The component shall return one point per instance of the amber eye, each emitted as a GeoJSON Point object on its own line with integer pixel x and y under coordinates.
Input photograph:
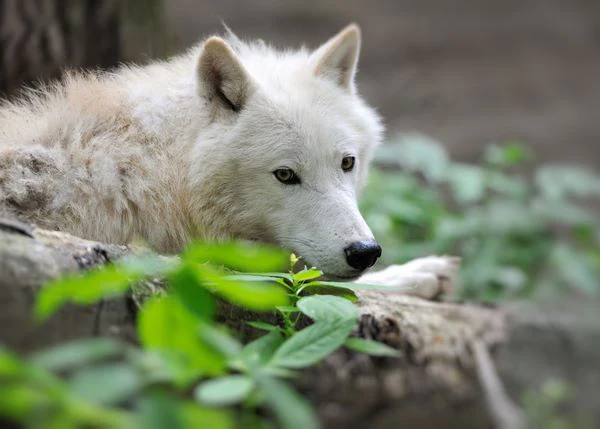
{"type": "Point", "coordinates": [286, 176]}
{"type": "Point", "coordinates": [347, 163]}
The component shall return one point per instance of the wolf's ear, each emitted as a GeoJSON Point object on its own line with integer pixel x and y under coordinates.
{"type": "Point", "coordinates": [222, 77]}
{"type": "Point", "coordinates": [337, 58]}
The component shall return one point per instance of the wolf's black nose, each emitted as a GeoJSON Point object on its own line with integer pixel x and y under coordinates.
{"type": "Point", "coordinates": [362, 254]}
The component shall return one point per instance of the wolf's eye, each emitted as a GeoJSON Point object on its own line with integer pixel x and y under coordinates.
{"type": "Point", "coordinates": [347, 163]}
{"type": "Point", "coordinates": [286, 176]}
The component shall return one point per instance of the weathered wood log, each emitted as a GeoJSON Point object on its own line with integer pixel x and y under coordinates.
{"type": "Point", "coordinates": [26, 263]}
{"type": "Point", "coordinates": [443, 380]}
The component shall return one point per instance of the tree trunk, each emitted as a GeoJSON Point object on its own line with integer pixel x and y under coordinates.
{"type": "Point", "coordinates": [39, 38]}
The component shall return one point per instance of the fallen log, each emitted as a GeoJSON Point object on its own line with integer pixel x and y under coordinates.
{"type": "Point", "coordinates": [446, 377]}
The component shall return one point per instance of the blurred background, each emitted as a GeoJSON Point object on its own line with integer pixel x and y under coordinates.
{"type": "Point", "coordinates": [467, 72]}
{"type": "Point", "coordinates": [492, 109]}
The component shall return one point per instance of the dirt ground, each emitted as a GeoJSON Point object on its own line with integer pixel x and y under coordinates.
{"type": "Point", "coordinates": [468, 72]}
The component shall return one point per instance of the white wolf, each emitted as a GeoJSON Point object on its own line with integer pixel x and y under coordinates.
{"type": "Point", "coordinates": [229, 140]}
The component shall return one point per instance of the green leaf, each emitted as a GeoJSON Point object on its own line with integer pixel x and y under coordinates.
{"type": "Point", "coordinates": [467, 182]}
{"type": "Point", "coordinates": [165, 366]}
{"type": "Point", "coordinates": [562, 213]}
{"type": "Point", "coordinates": [251, 295]}
{"type": "Point", "coordinates": [508, 185]}
{"type": "Point", "coordinates": [108, 384]}
{"type": "Point", "coordinates": [166, 324]}
{"type": "Point", "coordinates": [21, 402]}
{"type": "Point", "coordinates": [276, 371]}
{"type": "Point", "coordinates": [261, 350]}
{"type": "Point", "coordinates": [220, 340]}
{"type": "Point", "coordinates": [13, 368]}
{"type": "Point", "coordinates": [76, 353]}
{"type": "Point", "coordinates": [308, 274]}
{"type": "Point", "coordinates": [159, 411]}
{"type": "Point", "coordinates": [315, 288]}
{"type": "Point", "coordinates": [252, 278]}
{"type": "Point", "coordinates": [287, 309]}
{"type": "Point", "coordinates": [512, 279]}
{"type": "Point", "coordinates": [81, 414]}
{"type": "Point", "coordinates": [10, 365]}
{"type": "Point", "coordinates": [575, 269]}
{"type": "Point", "coordinates": [258, 277]}
{"type": "Point", "coordinates": [193, 295]}
{"type": "Point", "coordinates": [313, 343]}
{"type": "Point", "coordinates": [416, 153]}
{"type": "Point", "coordinates": [560, 181]}
{"type": "Point", "coordinates": [148, 265]}
{"type": "Point", "coordinates": [224, 391]}
{"type": "Point", "coordinates": [263, 326]}
{"type": "Point", "coordinates": [95, 285]}
{"type": "Point", "coordinates": [405, 209]}
{"type": "Point", "coordinates": [341, 289]}
{"type": "Point", "coordinates": [507, 155]}
{"type": "Point", "coordinates": [326, 308]}
{"type": "Point", "coordinates": [290, 408]}
{"type": "Point", "coordinates": [242, 256]}
{"type": "Point", "coordinates": [194, 417]}
{"type": "Point", "coordinates": [371, 347]}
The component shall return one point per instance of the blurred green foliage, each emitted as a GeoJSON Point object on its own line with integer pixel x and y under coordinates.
{"type": "Point", "coordinates": [517, 233]}
{"type": "Point", "coordinates": [189, 372]}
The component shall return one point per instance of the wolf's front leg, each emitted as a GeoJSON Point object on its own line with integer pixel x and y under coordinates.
{"type": "Point", "coordinates": [426, 277]}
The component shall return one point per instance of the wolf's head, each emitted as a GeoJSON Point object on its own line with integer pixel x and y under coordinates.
{"type": "Point", "coordinates": [291, 144]}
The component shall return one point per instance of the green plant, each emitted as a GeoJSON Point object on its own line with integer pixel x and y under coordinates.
{"type": "Point", "coordinates": [189, 372]}
{"type": "Point", "coordinates": [516, 234]}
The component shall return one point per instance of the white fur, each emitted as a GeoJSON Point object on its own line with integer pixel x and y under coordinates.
{"type": "Point", "coordinates": [186, 149]}
{"type": "Point", "coordinates": [428, 277]}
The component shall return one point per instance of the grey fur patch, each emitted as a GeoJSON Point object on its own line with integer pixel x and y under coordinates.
{"type": "Point", "coordinates": [24, 181]}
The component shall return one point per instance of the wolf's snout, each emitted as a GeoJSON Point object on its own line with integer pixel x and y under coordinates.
{"type": "Point", "coordinates": [362, 254]}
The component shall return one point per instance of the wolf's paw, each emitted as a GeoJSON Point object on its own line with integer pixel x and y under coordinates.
{"type": "Point", "coordinates": [427, 277]}
{"type": "Point", "coordinates": [443, 268]}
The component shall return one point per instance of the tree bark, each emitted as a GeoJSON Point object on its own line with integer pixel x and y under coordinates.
{"type": "Point", "coordinates": [40, 38]}
{"type": "Point", "coordinates": [444, 379]}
